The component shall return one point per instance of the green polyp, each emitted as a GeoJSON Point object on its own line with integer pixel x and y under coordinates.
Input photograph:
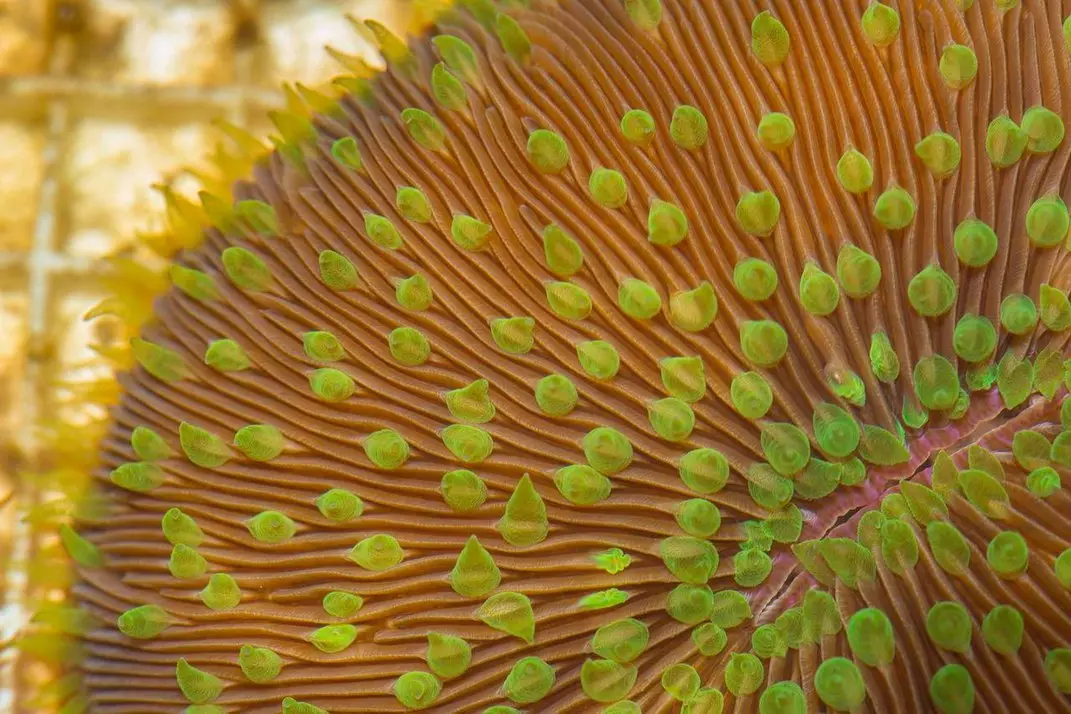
{"type": "Point", "coordinates": [975, 338]}
{"type": "Point", "coordinates": [192, 709]}
{"type": "Point", "coordinates": [198, 686]}
{"type": "Point", "coordinates": [1008, 554]}
{"type": "Point", "coordinates": [949, 547]}
{"type": "Point", "coordinates": [417, 690]}
{"type": "Point", "coordinates": [1018, 314]}
{"type": "Point", "coordinates": [1055, 309]}
{"type": "Point", "coordinates": [963, 403]}
{"type": "Point", "coordinates": [858, 272]}
{"type": "Point", "coordinates": [894, 209]}
{"type": "Point", "coordinates": [514, 335]}
{"type": "Point", "coordinates": [331, 385]}
{"type": "Point", "coordinates": [754, 279]}
{"type": "Point", "coordinates": [684, 377]}
{"type": "Point", "coordinates": [81, 550]}
{"type": "Point", "coordinates": [975, 242]}
{"type": "Point", "coordinates": [821, 616]}
{"type": "Point", "coordinates": [680, 681]}
{"type": "Point", "coordinates": [180, 528]}
{"type": "Point", "coordinates": [1005, 142]}
{"type": "Point", "coordinates": [608, 187]}
{"type": "Point", "coordinates": [413, 204]}
{"type": "Point", "coordinates": [899, 546]}
{"type": "Point", "coordinates": [1058, 669]}
{"type": "Point", "coordinates": [469, 233]}
{"type": "Point", "coordinates": [940, 152]}
{"type": "Point", "coordinates": [604, 680]}
{"type": "Point", "coordinates": [563, 255]}
{"type": "Point", "coordinates": [637, 299]}
{"type": "Point", "coordinates": [1048, 372]}
{"type": "Point", "coordinates": [337, 272]}
{"type": "Point", "coordinates": [870, 635]}
{"type": "Point", "coordinates": [475, 573]}
{"type": "Point", "coordinates": [1002, 629]}
{"type": "Point", "coordinates": [556, 395]}
{"type": "Point", "coordinates": [1031, 449]}
{"type": "Point", "coordinates": [377, 552]}
{"type": "Point", "coordinates": [1045, 129]}
{"type": "Point", "coordinates": [463, 490]}
{"type": "Point", "coordinates": [509, 612]}
{"type": "Point", "coordinates": [1047, 221]}
{"type": "Point", "coordinates": [186, 563]}
{"type": "Point", "coordinates": [447, 655]}
{"type": "Point", "coordinates": [894, 506]}
{"type": "Point", "coordinates": [709, 639]}
{"type": "Point", "coordinates": [524, 521]}
{"type": "Point", "coordinates": [751, 395]}
{"type": "Point", "coordinates": [809, 555]}
{"type": "Point", "coordinates": [447, 89]}
{"type": "Point", "coordinates": [913, 414]}
{"type": "Point", "coordinates": [514, 40]}
{"type": "Point", "coordinates": [819, 293]}
{"type": "Point", "coordinates": [603, 599]}
{"type": "Point", "coordinates": [408, 346]}
{"type": "Point", "coordinates": [758, 537]}
{"type": "Point", "coordinates": [339, 505]}
{"type": "Point", "coordinates": [1015, 379]}
{"type": "Point", "coordinates": [744, 674]}
{"type": "Point", "coordinates": [690, 560]}
{"type": "Point", "coordinates": [414, 293]}
{"type": "Point", "coordinates": [347, 153]}
{"type": "Point", "coordinates": [582, 485]}
{"type": "Point", "coordinates": [776, 131]}
{"type": "Point", "coordinates": [958, 66]}
{"type": "Point", "coordinates": [817, 480]}
{"type": "Point", "coordinates": [881, 448]}
{"type": "Point", "coordinates": [852, 472]}
{"type": "Point", "coordinates": [847, 385]}
{"type": "Point", "coordinates": [693, 310]}
{"type": "Point", "coordinates": [140, 476]}
{"type": "Point", "coordinates": [221, 592]}
{"type": "Point", "coordinates": [949, 626]}
{"type": "Point", "coordinates": [424, 129]}
{"type": "Point", "coordinates": [598, 358]}
{"type": "Point", "coordinates": [621, 641]}
{"type": "Point", "coordinates": [783, 698]}
{"type": "Point", "coordinates": [528, 681]}
{"type": "Point", "coordinates": [1062, 568]}
{"type": "Point", "coordinates": [161, 362]}
{"type": "Point", "coordinates": [382, 232]}
{"type": "Point", "coordinates": [638, 127]}
{"type": "Point", "coordinates": [884, 362]}
{"type": "Point", "coordinates": [854, 171]}
{"type": "Point", "coordinates": [458, 56]}
{"type": "Point", "coordinates": [607, 450]}
{"type": "Point", "coordinates": [468, 444]}
{"type": "Point", "coordinates": [767, 641]}
{"type": "Point", "coordinates": [671, 418]}
{"type": "Point", "coordinates": [936, 382]}
{"type": "Point", "coordinates": [763, 342]}
{"type": "Point", "coordinates": [704, 470]}
{"type": "Point", "coordinates": [729, 608]}
{"type": "Point", "coordinates": [194, 283]}
{"type": "Point", "coordinates": [1043, 482]}
{"type": "Point", "coordinates": [690, 604]}
{"type": "Point", "coordinates": [848, 560]}
{"type": "Point", "coordinates": [332, 639]}
{"type": "Point", "coordinates": [786, 447]}
{"type": "Point", "coordinates": [471, 403]}
{"type": "Point", "coordinates": [925, 504]}
{"type": "Point", "coordinates": [613, 560]}
{"type": "Point", "coordinates": [245, 269]}
{"type": "Point", "coordinates": [341, 604]}
{"type": "Point", "coordinates": [835, 430]}
{"type": "Point", "coordinates": [1065, 414]}
{"type": "Point", "coordinates": [839, 684]}
{"type": "Point", "coordinates": [985, 492]}
{"type": "Point", "coordinates": [547, 151]}
{"type": "Point", "coordinates": [757, 213]}
{"type": "Point", "coordinates": [501, 708]}
{"type": "Point", "coordinates": [260, 217]}
{"type": "Point", "coordinates": [698, 517]}
{"type": "Point", "coordinates": [271, 527]}
{"type": "Point", "coordinates": [751, 567]}
{"type": "Point", "coordinates": [768, 488]}
{"type": "Point", "coordinates": [770, 41]}
{"type": "Point", "coordinates": [322, 346]}
{"type": "Point", "coordinates": [568, 300]}
{"type": "Point", "coordinates": [148, 445]}
{"type": "Point", "coordinates": [785, 525]}
{"type": "Point", "coordinates": [259, 442]}
{"type": "Point", "coordinates": [932, 292]}
{"type": "Point", "coordinates": [688, 128]}
{"type": "Point", "coordinates": [952, 690]}
{"type": "Point", "coordinates": [202, 447]}
{"type": "Point", "coordinates": [143, 622]}
{"type": "Point", "coordinates": [790, 624]}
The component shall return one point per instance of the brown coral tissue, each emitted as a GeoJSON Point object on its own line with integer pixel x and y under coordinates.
{"type": "Point", "coordinates": [615, 357]}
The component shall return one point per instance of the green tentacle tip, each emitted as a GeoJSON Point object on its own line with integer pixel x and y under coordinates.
{"type": "Point", "coordinates": [414, 293]}
{"type": "Point", "coordinates": [884, 362]}
{"type": "Point", "coordinates": [547, 151]}
{"type": "Point", "coordinates": [940, 152]}
{"type": "Point", "coordinates": [870, 635]}
{"type": "Point", "coordinates": [763, 342]}
{"type": "Point", "coordinates": [1047, 221]}
{"type": "Point", "coordinates": [148, 445]}
{"type": "Point", "coordinates": [783, 698]}
{"type": "Point", "coordinates": [382, 232]}
{"type": "Point", "coordinates": [79, 549]}
{"type": "Point", "coordinates": [1015, 379]}
{"type": "Point", "coordinates": [341, 604]}
{"type": "Point", "coordinates": [671, 418]}
{"type": "Point", "coordinates": [608, 187]}
{"type": "Point", "coordinates": [322, 346]}
{"type": "Point", "coordinates": [509, 612]}
{"type": "Point", "coordinates": [331, 385]}
{"type": "Point", "coordinates": [751, 567]}
{"type": "Point", "coordinates": [332, 639]}
{"type": "Point", "coordinates": [514, 335]}
{"type": "Point", "coordinates": [556, 395]}
{"type": "Point", "coordinates": [524, 519]}
{"type": "Point", "coordinates": [143, 622]}
{"type": "Point", "coordinates": [757, 213]}
{"type": "Point", "coordinates": [271, 527]}
{"type": "Point", "coordinates": [1002, 629]}
{"type": "Point", "coordinates": [819, 293]}
{"type": "Point", "coordinates": [202, 447]}
{"type": "Point", "coordinates": [180, 528]}
{"type": "Point", "coordinates": [786, 447]}
{"type": "Point", "coordinates": [386, 449]}
{"type": "Point", "coordinates": [471, 403]}
{"type": "Point", "coordinates": [563, 255]}
{"type": "Point", "coordinates": [839, 684]}
{"type": "Point", "coordinates": [449, 92]}
{"type": "Point", "coordinates": [424, 129]}
{"type": "Point", "coordinates": [337, 272]}
{"type": "Point", "coordinates": [767, 488]}
{"type": "Point", "coordinates": [607, 450]}
{"type": "Point", "coordinates": [413, 204]}
{"type": "Point", "coordinates": [645, 14]}
{"type": "Point", "coordinates": [767, 641]}
{"type": "Point", "coordinates": [638, 127]}
{"type": "Point", "coordinates": [693, 310]}
{"type": "Point", "coordinates": [568, 300]}
{"type": "Point", "coordinates": [186, 563]}
{"type": "Point", "coordinates": [604, 680]}
{"type": "Point", "coordinates": [260, 217]}
{"type": "Point", "coordinates": [894, 209]}
{"type": "Point", "coordinates": [377, 553]}
{"type": "Point", "coordinates": [417, 690]}
{"type": "Point", "coordinates": [226, 356]}
{"type": "Point", "coordinates": [1005, 142]}
{"type": "Point", "coordinates": [1045, 129]}
{"type": "Point", "coordinates": [582, 485]}
{"type": "Point", "coordinates": [198, 686]}
{"type": "Point", "coordinates": [666, 223]}
{"type": "Point", "coordinates": [161, 362]}
{"type": "Point", "coordinates": [468, 444]}
{"type": "Point", "coordinates": [710, 639]}
{"type": "Point", "coordinates": [293, 706]}
{"type": "Point", "coordinates": [339, 505]}
{"type": "Point", "coordinates": [680, 681]}
{"type": "Point", "coordinates": [728, 609]}
{"type": "Point", "coordinates": [470, 233]}
{"type": "Point", "coordinates": [1055, 308]}
{"type": "Point", "coordinates": [975, 243]}
{"type": "Point", "coordinates": [1043, 482]}
{"type": "Point", "coordinates": [936, 382]}
{"type": "Point", "coordinates": [245, 269]}
{"type": "Point", "coordinates": [513, 38]}
{"type": "Point", "coordinates": [881, 24]}
{"type": "Point", "coordinates": [932, 292]}
{"type": "Point", "coordinates": [688, 128]}
{"type": "Point", "coordinates": [260, 442]}
{"type": "Point", "coordinates": [408, 346]}
{"type": "Point", "coordinates": [626, 706]}
{"type": "Point", "coordinates": [528, 681]}
{"type": "Point", "coordinates": [613, 561]}
{"type": "Point", "coordinates": [603, 599]}
{"type": "Point", "coordinates": [684, 377]}
{"type": "Point", "coordinates": [458, 56]}
{"type": "Point", "coordinates": [776, 131]}
{"type": "Point", "coordinates": [447, 655]}
{"type": "Point", "coordinates": [974, 338]}
{"type": "Point", "coordinates": [754, 279]}
{"type": "Point", "coordinates": [881, 448]}
{"type": "Point", "coordinates": [899, 546]}
{"type": "Point", "coordinates": [698, 517]}
{"type": "Point", "coordinates": [690, 604]}
{"type": "Point", "coordinates": [744, 674]}
{"type": "Point", "coordinates": [221, 592]}
{"type": "Point", "coordinates": [858, 272]}
{"type": "Point", "coordinates": [140, 477]}
{"type": "Point", "coordinates": [835, 430]}
{"type": "Point", "coordinates": [690, 560]}
{"type": "Point", "coordinates": [854, 171]}
{"type": "Point", "coordinates": [1018, 314]}
{"type": "Point", "coordinates": [751, 395]}
{"type": "Point", "coordinates": [952, 690]}
{"type": "Point", "coordinates": [949, 626]}
{"type": "Point", "coordinates": [704, 470]}
{"type": "Point", "coordinates": [1058, 669]}
{"type": "Point", "coordinates": [1008, 554]}
{"type": "Point", "coordinates": [195, 283]}
{"type": "Point", "coordinates": [475, 573]}
{"type": "Point", "coordinates": [770, 41]}
{"type": "Point", "coordinates": [958, 66]}
{"type": "Point", "coordinates": [347, 153]}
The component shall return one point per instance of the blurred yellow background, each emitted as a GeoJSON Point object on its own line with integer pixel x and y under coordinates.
{"type": "Point", "coordinates": [99, 100]}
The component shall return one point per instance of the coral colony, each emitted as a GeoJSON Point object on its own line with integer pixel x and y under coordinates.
{"type": "Point", "coordinates": [614, 357]}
